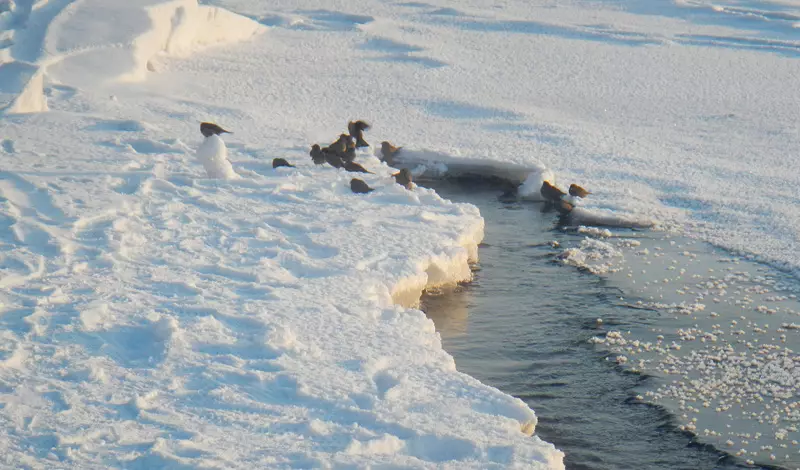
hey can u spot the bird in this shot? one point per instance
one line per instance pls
(278, 162)
(575, 190)
(388, 151)
(354, 167)
(209, 129)
(550, 192)
(360, 186)
(213, 153)
(332, 158)
(316, 155)
(340, 145)
(350, 152)
(356, 130)
(403, 178)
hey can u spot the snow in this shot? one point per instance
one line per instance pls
(213, 154)
(174, 301)
(153, 316)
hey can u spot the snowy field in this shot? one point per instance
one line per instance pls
(153, 317)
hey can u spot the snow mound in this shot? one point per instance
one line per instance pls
(98, 42)
(213, 154)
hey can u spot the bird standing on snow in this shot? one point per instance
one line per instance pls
(316, 155)
(360, 186)
(575, 190)
(354, 167)
(350, 153)
(213, 154)
(332, 158)
(279, 162)
(340, 146)
(403, 178)
(356, 130)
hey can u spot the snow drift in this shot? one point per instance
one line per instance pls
(115, 40)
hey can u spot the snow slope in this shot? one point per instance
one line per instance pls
(155, 318)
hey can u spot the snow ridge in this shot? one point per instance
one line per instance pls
(49, 39)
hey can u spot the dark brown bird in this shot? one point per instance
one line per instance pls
(209, 129)
(350, 153)
(550, 192)
(332, 158)
(403, 178)
(278, 162)
(340, 146)
(359, 186)
(354, 167)
(356, 130)
(388, 151)
(575, 190)
(316, 155)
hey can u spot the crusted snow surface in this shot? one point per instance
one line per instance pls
(153, 317)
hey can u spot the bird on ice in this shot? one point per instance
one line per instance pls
(279, 162)
(388, 152)
(316, 155)
(575, 190)
(356, 130)
(209, 129)
(403, 178)
(360, 186)
(350, 153)
(553, 196)
(354, 167)
(340, 145)
(550, 192)
(213, 153)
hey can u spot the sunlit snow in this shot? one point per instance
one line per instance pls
(158, 315)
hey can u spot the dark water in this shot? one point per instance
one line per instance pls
(522, 326)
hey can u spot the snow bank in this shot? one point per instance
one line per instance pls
(436, 164)
(249, 322)
(165, 319)
(116, 40)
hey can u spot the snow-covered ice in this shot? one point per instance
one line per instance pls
(153, 316)
(163, 307)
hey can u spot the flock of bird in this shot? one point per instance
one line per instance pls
(342, 153)
(554, 197)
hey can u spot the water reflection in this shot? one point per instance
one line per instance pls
(449, 310)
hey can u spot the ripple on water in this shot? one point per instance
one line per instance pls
(527, 325)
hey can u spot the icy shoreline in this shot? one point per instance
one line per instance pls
(156, 318)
